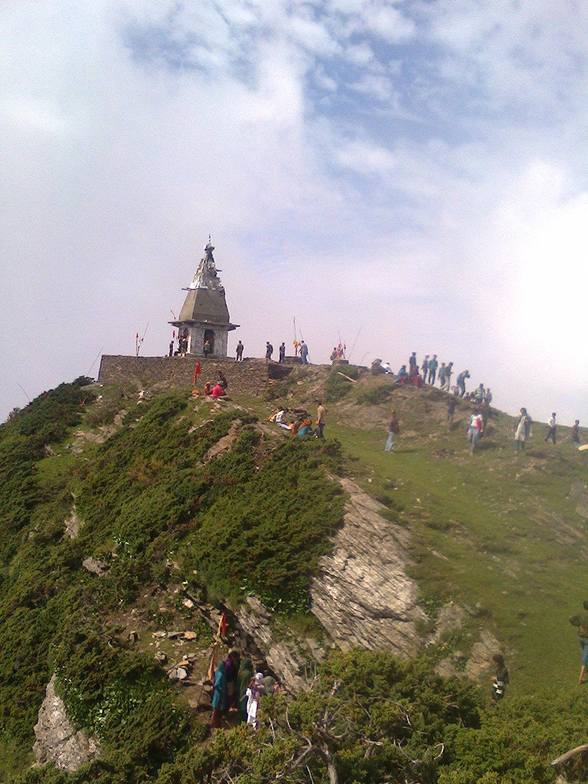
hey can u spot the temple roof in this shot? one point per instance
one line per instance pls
(205, 300)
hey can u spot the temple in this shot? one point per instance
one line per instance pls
(204, 323)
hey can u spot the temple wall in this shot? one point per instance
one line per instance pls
(249, 376)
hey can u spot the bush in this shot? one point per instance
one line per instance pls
(337, 387)
(374, 396)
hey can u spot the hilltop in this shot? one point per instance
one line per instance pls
(129, 524)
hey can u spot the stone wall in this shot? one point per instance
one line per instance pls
(249, 376)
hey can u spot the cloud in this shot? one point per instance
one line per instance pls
(406, 173)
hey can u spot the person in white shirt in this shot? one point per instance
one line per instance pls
(551, 429)
(475, 430)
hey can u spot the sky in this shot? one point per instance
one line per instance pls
(406, 175)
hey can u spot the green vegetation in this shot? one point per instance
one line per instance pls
(336, 386)
(501, 534)
(147, 495)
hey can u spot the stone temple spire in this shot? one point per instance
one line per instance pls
(204, 321)
(206, 276)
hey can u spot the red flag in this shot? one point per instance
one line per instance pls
(197, 371)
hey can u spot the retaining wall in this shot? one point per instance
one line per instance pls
(251, 375)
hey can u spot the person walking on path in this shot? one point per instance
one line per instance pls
(304, 352)
(239, 352)
(461, 381)
(581, 624)
(393, 430)
(448, 371)
(282, 353)
(551, 429)
(575, 434)
(442, 371)
(269, 350)
(425, 367)
(451, 406)
(321, 414)
(475, 430)
(522, 430)
(433, 364)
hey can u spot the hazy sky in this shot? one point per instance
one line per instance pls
(410, 175)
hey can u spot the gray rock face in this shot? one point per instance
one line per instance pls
(56, 740)
(362, 594)
(291, 661)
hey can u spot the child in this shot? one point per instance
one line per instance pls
(253, 693)
(501, 677)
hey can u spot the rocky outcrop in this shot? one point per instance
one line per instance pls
(73, 523)
(362, 594)
(56, 740)
(292, 660)
(223, 444)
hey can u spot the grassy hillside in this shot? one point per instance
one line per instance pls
(500, 532)
(176, 495)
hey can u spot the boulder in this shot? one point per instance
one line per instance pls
(95, 566)
(56, 740)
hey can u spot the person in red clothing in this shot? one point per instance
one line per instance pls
(217, 391)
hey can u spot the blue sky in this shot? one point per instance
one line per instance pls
(414, 171)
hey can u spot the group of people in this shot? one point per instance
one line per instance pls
(299, 422)
(300, 349)
(217, 389)
(238, 690)
(338, 352)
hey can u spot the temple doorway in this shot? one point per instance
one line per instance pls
(209, 336)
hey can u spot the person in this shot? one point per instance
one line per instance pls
(414, 377)
(269, 350)
(393, 430)
(304, 352)
(451, 406)
(551, 428)
(442, 370)
(243, 680)
(296, 346)
(475, 430)
(321, 414)
(206, 348)
(282, 353)
(501, 677)
(232, 663)
(219, 695)
(334, 354)
(217, 391)
(387, 368)
(575, 435)
(485, 411)
(479, 394)
(304, 429)
(488, 396)
(239, 352)
(207, 388)
(448, 372)
(412, 363)
(171, 348)
(254, 692)
(222, 380)
(522, 430)
(581, 624)
(402, 375)
(461, 381)
(433, 364)
(425, 366)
